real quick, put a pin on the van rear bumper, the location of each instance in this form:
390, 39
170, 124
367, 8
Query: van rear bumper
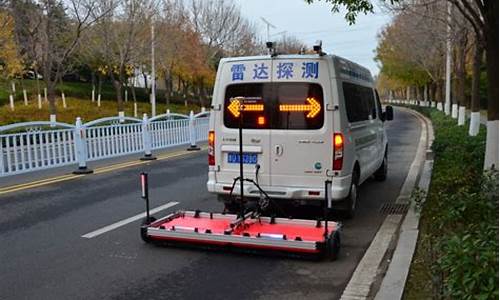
340, 189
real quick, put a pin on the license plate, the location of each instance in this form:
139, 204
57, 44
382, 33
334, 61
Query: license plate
248, 158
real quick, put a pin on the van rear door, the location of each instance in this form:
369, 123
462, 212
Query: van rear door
249, 79
301, 135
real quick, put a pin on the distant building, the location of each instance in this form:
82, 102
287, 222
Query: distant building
143, 79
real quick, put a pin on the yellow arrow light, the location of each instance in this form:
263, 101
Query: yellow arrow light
313, 107
235, 107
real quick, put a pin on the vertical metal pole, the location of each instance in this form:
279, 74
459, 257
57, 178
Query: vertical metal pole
146, 139
240, 132
328, 203
153, 84
145, 193
80, 148
192, 133
2, 170
448, 64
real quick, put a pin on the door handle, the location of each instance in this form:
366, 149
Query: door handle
278, 149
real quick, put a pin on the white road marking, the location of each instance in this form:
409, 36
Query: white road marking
126, 221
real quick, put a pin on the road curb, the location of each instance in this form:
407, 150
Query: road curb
394, 281
361, 284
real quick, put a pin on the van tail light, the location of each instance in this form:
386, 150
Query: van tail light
338, 151
211, 148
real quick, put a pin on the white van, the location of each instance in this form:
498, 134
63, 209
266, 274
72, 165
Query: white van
321, 119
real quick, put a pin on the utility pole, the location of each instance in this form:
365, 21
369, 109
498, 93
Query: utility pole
448, 64
268, 24
283, 39
153, 79
282, 33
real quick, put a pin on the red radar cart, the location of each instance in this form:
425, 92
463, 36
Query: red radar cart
249, 230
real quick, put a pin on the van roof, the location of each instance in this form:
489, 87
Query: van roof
337, 60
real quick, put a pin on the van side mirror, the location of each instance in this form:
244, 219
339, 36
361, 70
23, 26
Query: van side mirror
389, 113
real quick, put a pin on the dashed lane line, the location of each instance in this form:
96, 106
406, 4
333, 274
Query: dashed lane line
121, 223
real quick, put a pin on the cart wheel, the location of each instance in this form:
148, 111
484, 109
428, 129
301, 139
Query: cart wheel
333, 247
144, 234
144, 229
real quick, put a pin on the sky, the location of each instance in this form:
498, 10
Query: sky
311, 22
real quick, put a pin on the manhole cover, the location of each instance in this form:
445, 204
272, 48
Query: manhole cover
393, 209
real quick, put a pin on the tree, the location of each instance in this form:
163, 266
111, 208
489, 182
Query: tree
219, 23
26, 14
175, 39
290, 45
222, 29
91, 53
404, 55
476, 74
10, 60
58, 28
483, 16
125, 33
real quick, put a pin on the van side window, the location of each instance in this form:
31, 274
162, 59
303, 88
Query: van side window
379, 105
370, 101
359, 101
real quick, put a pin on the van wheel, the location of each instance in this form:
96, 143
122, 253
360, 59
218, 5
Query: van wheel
351, 200
381, 173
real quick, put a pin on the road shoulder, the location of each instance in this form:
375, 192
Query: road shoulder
370, 277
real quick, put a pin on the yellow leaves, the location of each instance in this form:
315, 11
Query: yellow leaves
384, 82
10, 59
183, 55
129, 70
103, 70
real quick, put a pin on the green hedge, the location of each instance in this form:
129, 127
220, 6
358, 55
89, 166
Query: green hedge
457, 254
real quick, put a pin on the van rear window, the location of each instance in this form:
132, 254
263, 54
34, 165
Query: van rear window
279, 105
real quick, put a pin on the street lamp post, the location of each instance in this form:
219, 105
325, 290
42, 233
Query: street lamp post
268, 24
153, 77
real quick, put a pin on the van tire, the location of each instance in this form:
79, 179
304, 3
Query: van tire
381, 173
350, 202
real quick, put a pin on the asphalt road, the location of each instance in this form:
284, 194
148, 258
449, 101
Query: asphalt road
43, 256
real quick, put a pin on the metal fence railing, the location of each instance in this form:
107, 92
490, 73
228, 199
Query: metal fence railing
30, 146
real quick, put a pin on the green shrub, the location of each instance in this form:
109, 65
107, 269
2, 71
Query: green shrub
469, 254
458, 243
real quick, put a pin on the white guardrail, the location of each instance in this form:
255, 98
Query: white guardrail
30, 146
